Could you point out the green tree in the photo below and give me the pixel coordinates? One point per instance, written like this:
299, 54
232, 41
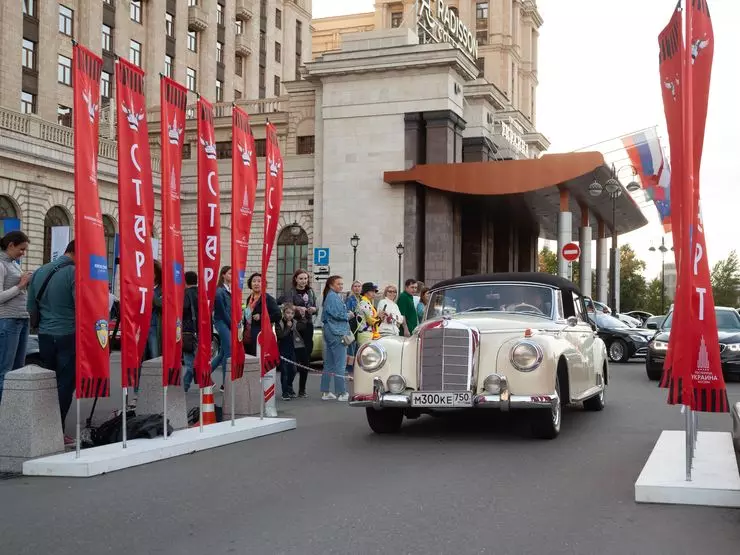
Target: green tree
632, 287
652, 302
548, 261
726, 281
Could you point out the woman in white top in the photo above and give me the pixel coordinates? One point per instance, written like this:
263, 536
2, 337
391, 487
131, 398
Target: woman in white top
392, 319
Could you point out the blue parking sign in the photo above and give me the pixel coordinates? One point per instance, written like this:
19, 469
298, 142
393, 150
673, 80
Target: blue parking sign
321, 256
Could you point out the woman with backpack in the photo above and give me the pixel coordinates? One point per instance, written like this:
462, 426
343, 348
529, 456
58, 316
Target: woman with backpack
303, 299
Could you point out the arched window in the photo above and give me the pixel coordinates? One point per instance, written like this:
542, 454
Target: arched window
55, 217
292, 253
109, 229
8, 216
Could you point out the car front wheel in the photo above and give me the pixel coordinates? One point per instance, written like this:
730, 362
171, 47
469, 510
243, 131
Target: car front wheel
384, 421
597, 403
546, 422
618, 351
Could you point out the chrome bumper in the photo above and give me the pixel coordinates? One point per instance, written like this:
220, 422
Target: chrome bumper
504, 401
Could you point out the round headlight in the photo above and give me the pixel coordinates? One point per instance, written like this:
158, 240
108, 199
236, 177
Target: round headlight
371, 357
526, 356
492, 384
396, 383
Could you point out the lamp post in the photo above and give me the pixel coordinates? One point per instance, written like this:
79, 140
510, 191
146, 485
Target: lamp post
354, 241
663, 249
399, 250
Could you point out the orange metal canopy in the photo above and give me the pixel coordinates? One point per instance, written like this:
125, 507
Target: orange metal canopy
500, 178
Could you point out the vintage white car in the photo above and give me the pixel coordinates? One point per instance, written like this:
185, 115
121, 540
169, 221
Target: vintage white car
500, 341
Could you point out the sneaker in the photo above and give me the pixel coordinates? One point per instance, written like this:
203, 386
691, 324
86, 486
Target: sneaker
344, 397
328, 396
303, 395
221, 389
286, 397
69, 441
293, 395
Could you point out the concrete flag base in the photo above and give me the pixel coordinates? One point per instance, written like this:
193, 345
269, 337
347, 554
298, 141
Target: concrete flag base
151, 395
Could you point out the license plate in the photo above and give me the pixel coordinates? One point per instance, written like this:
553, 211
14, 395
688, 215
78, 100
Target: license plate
442, 399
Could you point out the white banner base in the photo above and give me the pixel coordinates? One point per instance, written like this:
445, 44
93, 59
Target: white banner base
269, 390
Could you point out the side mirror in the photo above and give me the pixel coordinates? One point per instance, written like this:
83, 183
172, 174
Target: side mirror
652, 326
572, 321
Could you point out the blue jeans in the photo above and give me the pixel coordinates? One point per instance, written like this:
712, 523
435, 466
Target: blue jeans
335, 363
224, 351
188, 360
13, 340
152, 342
351, 351
58, 354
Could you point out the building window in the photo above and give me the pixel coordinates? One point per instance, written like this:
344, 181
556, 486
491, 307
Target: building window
481, 37
55, 217
105, 85
135, 10
134, 53
109, 231
28, 103
223, 150
219, 14
481, 11
306, 145
192, 41
260, 147
262, 84
186, 151
29, 8
168, 66
513, 84
292, 253
219, 51
278, 52
29, 54
192, 2
64, 115
238, 28
239, 66
191, 79
237, 94
66, 17
169, 24
263, 42
278, 19
107, 39
397, 19
297, 67
276, 85
64, 70
481, 63
219, 91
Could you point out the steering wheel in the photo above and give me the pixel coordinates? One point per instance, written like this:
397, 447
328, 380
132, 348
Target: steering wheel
524, 307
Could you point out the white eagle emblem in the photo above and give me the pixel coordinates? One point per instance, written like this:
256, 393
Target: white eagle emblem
696, 47
246, 155
132, 117
671, 85
274, 168
91, 108
209, 148
174, 133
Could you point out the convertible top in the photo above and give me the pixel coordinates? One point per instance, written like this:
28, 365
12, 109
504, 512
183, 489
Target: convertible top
516, 277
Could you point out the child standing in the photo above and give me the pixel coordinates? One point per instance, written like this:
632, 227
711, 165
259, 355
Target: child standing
289, 340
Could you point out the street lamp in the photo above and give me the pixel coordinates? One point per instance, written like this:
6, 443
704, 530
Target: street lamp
354, 241
399, 250
295, 229
662, 248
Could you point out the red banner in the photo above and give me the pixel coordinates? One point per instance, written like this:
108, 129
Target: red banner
173, 102
136, 212
91, 262
269, 352
209, 237
243, 192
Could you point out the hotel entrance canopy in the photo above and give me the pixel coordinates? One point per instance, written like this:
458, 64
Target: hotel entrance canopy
547, 185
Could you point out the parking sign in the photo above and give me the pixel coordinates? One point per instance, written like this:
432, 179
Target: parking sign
321, 256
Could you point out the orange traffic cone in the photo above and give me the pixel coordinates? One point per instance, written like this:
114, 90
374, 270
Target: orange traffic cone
209, 406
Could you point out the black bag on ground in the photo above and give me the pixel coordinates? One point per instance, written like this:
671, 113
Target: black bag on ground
142, 426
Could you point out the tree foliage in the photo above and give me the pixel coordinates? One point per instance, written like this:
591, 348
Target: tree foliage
726, 281
633, 288
652, 302
548, 261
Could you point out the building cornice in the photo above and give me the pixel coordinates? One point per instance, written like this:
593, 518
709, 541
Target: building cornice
480, 88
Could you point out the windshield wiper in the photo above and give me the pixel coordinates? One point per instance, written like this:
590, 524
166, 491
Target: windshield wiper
478, 309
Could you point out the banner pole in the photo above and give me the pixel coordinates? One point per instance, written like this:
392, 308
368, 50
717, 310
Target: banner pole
165, 412
687, 424
77, 440
124, 392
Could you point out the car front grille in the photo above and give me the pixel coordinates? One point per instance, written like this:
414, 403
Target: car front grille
444, 359
641, 352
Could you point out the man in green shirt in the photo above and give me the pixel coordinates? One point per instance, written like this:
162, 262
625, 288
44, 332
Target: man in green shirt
56, 309
406, 306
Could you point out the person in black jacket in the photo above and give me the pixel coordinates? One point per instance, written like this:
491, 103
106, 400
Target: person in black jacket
189, 327
253, 312
303, 299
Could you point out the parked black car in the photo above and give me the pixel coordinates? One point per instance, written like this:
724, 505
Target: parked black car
728, 326
622, 341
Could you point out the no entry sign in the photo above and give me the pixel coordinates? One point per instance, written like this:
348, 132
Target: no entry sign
571, 252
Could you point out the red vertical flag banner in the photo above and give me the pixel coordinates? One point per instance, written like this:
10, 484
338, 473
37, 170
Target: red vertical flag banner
269, 352
136, 212
243, 191
209, 237
671, 54
91, 266
173, 104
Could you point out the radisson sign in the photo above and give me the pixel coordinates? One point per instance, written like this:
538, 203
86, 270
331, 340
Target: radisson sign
437, 23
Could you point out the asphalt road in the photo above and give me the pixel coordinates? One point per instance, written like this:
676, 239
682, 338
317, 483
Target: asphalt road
443, 486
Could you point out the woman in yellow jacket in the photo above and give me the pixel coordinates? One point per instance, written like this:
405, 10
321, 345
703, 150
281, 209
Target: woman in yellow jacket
370, 317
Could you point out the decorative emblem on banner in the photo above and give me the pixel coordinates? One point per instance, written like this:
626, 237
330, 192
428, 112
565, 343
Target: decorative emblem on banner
209, 149
174, 132
178, 330
132, 117
101, 330
92, 108
246, 155
671, 86
697, 46
274, 168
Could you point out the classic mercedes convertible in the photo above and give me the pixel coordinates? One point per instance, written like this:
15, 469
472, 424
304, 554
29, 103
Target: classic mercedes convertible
501, 341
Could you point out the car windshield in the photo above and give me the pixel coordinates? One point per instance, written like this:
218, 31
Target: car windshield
607, 321
726, 320
492, 297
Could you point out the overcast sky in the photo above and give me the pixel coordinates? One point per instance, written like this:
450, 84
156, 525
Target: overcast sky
598, 73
